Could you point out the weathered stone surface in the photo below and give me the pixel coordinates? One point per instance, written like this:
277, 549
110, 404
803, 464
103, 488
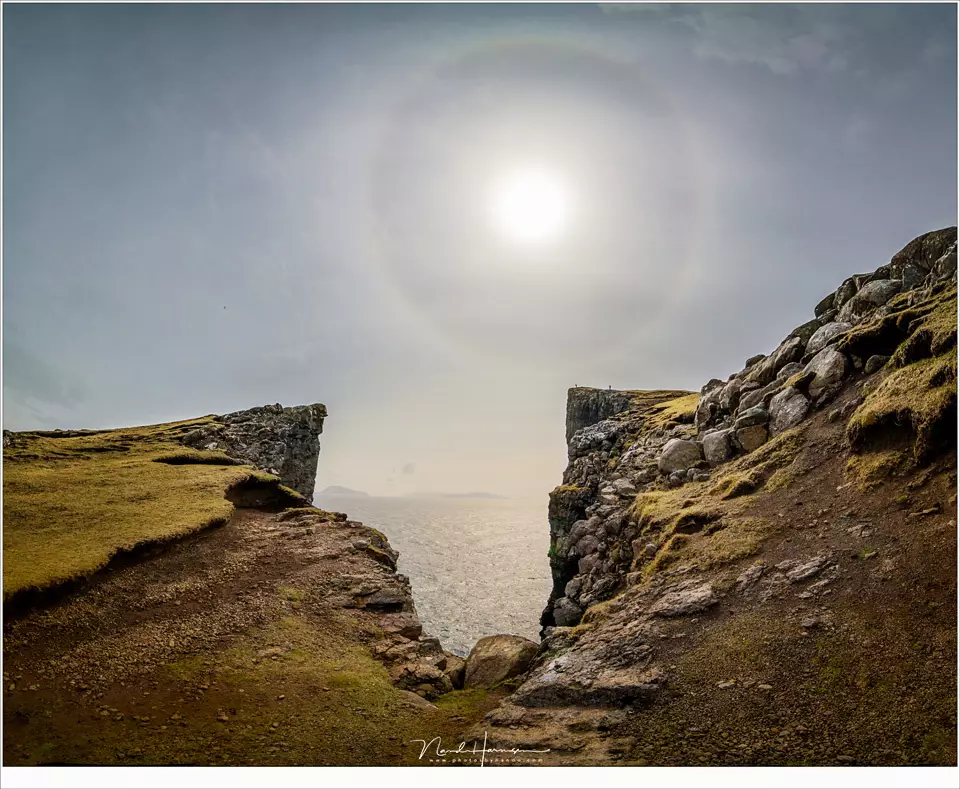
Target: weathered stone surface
752, 416
566, 613
806, 330
455, 670
825, 304
788, 370
787, 410
826, 334
278, 440
875, 363
496, 658
751, 438
790, 350
730, 395
684, 600
587, 406
868, 298
679, 455
592, 436
829, 367
716, 447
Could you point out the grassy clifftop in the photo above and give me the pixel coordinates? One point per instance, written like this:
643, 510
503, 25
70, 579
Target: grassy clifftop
74, 500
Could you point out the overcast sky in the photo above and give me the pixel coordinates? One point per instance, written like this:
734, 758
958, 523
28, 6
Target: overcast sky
208, 208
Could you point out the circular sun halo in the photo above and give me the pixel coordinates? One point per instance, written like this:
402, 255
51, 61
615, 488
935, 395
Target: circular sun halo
530, 206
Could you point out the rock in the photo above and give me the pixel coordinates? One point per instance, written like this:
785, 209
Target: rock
624, 487
759, 396
730, 395
807, 330
752, 416
726, 684
411, 699
716, 447
566, 613
685, 600
751, 438
278, 440
455, 670
874, 363
754, 360
828, 367
868, 298
749, 577
787, 410
788, 370
496, 658
804, 570
946, 265
790, 350
825, 335
679, 455
825, 304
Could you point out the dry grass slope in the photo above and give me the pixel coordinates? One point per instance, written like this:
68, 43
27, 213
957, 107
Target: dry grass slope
72, 501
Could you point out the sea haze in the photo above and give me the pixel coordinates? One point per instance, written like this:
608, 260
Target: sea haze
477, 566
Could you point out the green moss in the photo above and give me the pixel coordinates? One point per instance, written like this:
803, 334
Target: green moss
871, 470
677, 410
738, 484
291, 593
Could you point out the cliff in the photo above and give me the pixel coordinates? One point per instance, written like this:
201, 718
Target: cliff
763, 572
171, 597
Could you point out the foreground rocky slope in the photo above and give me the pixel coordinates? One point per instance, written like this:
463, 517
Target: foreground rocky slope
764, 572
251, 629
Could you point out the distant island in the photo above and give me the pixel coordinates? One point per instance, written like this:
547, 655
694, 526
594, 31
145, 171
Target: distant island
477, 494
339, 490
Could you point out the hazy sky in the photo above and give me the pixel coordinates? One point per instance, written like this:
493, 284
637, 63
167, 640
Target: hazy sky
208, 208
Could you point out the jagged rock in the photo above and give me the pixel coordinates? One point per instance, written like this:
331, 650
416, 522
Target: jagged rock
496, 658
716, 447
826, 334
278, 440
751, 438
586, 407
874, 363
868, 298
684, 600
592, 437
787, 410
679, 455
624, 487
801, 571
752, 416
828, 367
759, 396
754, 360
749, 577
946, 265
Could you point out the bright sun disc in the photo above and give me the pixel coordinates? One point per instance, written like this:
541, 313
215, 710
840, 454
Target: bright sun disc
530, 206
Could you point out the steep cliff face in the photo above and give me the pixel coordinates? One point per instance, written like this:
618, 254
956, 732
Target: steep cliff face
278, 440
766, 555
586, 406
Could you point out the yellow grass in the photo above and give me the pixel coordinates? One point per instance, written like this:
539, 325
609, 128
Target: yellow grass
71, 503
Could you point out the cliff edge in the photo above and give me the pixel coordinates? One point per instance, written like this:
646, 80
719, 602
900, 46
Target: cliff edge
764, 572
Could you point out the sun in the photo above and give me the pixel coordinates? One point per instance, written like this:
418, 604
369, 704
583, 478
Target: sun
530, 206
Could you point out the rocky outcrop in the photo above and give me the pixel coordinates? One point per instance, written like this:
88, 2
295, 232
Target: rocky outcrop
622, 443
278, 440
586, 407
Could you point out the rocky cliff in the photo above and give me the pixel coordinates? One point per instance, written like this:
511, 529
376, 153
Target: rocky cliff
752, 574
278, 440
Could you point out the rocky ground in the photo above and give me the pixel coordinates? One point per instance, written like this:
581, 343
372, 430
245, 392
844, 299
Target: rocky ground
284, 637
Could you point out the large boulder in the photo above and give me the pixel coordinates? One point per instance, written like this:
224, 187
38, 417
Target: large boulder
751, 438
679, 455
752, 416
868, 298
787, 409
790, 350
566, 613
496, 658
826, 334
716, 447
828, 367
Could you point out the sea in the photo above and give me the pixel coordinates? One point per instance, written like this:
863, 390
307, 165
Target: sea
478, 567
